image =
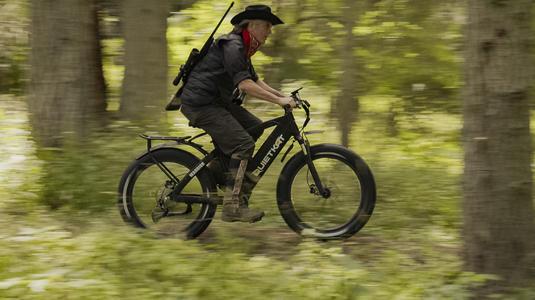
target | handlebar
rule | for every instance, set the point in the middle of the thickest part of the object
(299, 103)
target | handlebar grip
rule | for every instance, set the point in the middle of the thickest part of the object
(296, 91)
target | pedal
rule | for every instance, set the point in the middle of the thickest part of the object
(157, 214)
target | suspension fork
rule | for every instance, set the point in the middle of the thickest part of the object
(305, 146)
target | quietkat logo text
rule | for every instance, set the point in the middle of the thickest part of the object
(269, 156)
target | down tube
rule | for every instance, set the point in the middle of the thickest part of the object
(269, 150)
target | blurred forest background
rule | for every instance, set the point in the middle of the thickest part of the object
(434, 95)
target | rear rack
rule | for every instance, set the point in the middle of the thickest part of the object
(164, 138)
(151, 138)
(185, 140)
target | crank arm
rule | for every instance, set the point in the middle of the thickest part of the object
(186, 212)
(195, 198)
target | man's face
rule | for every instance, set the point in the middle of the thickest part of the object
(260, 29)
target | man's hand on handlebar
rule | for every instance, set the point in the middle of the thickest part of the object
(287, 102)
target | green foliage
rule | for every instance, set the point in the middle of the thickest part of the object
(13, 45)
(398, 44)
(110, 261)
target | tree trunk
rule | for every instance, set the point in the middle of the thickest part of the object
(67, 85)
(144, 90)
(346, 106)
(497, 205)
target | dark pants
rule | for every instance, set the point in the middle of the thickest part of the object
(226, 126)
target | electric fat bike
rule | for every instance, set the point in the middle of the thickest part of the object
(324, 191)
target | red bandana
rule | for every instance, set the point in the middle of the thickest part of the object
(251, 43)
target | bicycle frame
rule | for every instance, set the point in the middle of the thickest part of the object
(285, 129)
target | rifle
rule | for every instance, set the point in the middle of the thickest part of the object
(193, 59)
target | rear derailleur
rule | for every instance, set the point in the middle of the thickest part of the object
(164, 203)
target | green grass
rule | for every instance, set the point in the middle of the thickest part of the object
(42, 257)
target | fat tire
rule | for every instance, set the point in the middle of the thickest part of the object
(367, 186)
(127, 208)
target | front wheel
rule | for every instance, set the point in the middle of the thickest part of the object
(345, 207)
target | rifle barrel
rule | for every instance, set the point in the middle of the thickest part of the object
(220, 21)
(196, 55)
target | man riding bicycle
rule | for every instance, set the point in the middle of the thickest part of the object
(209, 103)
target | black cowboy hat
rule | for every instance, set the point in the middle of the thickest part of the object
(256, 12)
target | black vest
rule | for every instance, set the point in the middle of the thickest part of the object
(215, 77)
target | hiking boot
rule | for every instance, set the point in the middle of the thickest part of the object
(235, 208)
(241, 214)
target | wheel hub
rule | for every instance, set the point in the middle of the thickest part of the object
(327, 193)
(314, 190)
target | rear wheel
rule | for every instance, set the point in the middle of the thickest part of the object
(345, 207)
(143, 189)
